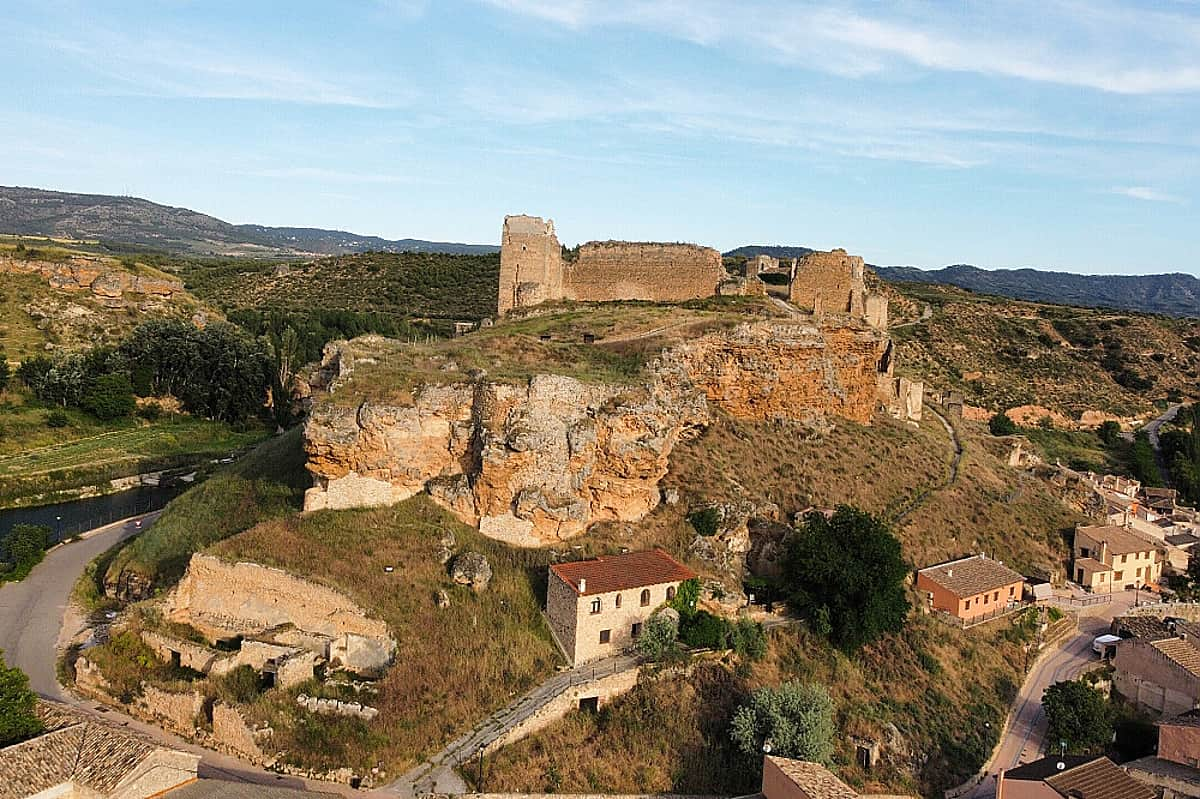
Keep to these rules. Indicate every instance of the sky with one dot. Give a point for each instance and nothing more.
(1058, 134)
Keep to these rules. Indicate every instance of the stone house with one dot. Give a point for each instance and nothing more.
(1111, 558)
(1158, 668)
(1175, 771)
(1071, 776)
(597, 607)
(785, 778)
(969, 588)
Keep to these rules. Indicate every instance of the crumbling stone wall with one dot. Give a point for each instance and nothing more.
(232, 733)
(531, 268)
(621, 270)
(226, 599)
(830, 283)
(177, 711)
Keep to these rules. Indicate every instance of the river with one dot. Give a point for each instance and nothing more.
(66, 519)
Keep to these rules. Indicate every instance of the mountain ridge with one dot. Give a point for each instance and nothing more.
(182, 231)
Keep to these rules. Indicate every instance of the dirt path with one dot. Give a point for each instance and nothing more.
(951, 478)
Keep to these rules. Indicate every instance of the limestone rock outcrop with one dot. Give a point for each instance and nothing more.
(472, 569)
(529, 464)
(82, 274)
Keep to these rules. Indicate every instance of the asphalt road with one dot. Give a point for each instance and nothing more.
(31, 611)
(1023, 739)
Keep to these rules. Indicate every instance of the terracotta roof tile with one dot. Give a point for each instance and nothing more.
(970, 576)
(623, 572)
(1182, 652)
(1099, 779)
(814, 779)
(1121, 541)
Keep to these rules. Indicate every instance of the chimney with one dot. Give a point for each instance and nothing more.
(582, 585)
(949, 572)
(1104, 552)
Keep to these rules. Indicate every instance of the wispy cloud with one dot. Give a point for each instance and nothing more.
(1100, 45)
(323, 175)
(1147, 193)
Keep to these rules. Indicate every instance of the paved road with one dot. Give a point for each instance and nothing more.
(31, 618)
(31, 611)
(1023, 739)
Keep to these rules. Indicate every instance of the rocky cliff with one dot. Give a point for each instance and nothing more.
(537, 461)
(87, 274)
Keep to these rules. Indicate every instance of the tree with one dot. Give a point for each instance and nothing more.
(846, 574)
(109, 396)
(5, 372)
(1110, 433)
(1079, 715)
(686, 597)
(659, 635)
(1001, 425)
(18, 716)
(24, 547)
(795, 719)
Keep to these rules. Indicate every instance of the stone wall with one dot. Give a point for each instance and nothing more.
(829, 283)
(231, 731)
(1148, 678)
(176, 711)
(531, 269)
(226, 599)
(786, 370)
(620, 270)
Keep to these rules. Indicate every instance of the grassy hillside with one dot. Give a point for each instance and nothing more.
(266, 483)
(1004, 353)
(408, 286)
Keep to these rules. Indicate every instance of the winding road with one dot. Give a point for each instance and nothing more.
(31, 621)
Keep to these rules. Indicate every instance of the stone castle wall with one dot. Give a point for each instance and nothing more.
(531, 268)
(830, 283)
(619, 270)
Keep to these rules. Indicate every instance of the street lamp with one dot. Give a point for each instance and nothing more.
(767, 746)
(58, 527)
(1137, 584)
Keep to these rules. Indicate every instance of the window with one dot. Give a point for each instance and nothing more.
(1084, 552)
(595, 606)
(1012, 589)
(645, 597)
(636, 630)
(967, 605)
(985, 599)
(670, 592)
(605, 635)
(995, 596)
(1119, 575)
(617, 601)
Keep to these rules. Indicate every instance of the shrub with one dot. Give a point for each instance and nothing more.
(109, 396)
(1001, 425)
(18, 720)
(796, 719)
(240, 686)
(23, 548)
(749, 639)
(658, 638)
(706, 521)
(150, 411)
(686, 597)
(57, 419)
(1078, 715)
(703, 630)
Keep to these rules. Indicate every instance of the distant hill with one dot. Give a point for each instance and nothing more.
(133, 221)
(1172, 294)
(773, 250)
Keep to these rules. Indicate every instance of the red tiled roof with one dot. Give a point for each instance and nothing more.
(623, 572)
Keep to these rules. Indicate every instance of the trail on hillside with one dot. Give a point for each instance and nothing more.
(951, 477)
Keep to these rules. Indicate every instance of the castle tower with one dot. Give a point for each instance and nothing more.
(531, 268)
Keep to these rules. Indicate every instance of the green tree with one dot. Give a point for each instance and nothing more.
(686, 598)
(795, 719)
(846, 574)
(109, 396)
(24, 547)
(1001, 425)
(5, 372)
(1078, 715)
(18, 717)
(659, 636)
(1109, 433)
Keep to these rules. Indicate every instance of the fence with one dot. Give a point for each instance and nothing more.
(955, 621)
(1080, 601)
(68, 521)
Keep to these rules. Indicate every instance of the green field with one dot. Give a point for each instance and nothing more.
(36, 459)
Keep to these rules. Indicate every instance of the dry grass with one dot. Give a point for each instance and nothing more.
(453, 665)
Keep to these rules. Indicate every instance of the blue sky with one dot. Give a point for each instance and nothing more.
(1056, 134)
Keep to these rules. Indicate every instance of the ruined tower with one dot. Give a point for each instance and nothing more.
(531, 268)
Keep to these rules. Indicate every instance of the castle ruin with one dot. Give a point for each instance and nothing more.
(533, 271)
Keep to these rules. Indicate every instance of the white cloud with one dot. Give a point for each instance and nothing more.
(1147, 193)
(1094, 44)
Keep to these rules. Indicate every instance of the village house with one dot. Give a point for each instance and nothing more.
(597, 607)
(1072, 776)
(785, 778)
(1175, 771)
(1111, 558)
(1157, 665)
(970, 588)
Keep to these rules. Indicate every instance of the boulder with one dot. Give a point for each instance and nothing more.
(473, 569)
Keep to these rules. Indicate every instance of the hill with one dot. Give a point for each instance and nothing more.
(134, 221)
(1171, 294)
(773, 250)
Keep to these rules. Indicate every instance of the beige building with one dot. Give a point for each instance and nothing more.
(597, 607)
(1162, 675)
(1110, 558)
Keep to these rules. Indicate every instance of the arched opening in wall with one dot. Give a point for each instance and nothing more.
(645, 597)
(670, 592)
(885, 360)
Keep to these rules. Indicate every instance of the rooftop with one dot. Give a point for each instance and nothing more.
(1182, 652)
(1182, 540)
(1098, 779)
(814, 779)
(1120, 540)
(1189, 719)
(971, 576)
(622, 572)
(1092, 565)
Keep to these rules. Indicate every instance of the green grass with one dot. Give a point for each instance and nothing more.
(1080, 450)
(268, 482)
(37, 460)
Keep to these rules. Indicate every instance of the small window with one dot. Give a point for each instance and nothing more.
(605, 635)
(967, 605)
(595, 606)
(1119, 576)
(617, 601)
(645, 597)
(986, 599)
(1012, 589)
(670, 592)
(995, 596)
(636, 629)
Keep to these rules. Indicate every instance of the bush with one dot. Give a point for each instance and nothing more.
(796, 719)
(109, 396)
(703, 630)
(18, 719)
(57, 419)
(749, 639)
(23, 548)
(240, 686)
(1001, 425)
(1078, 715)
(150, 411)
(658, 638)
(706, 521)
